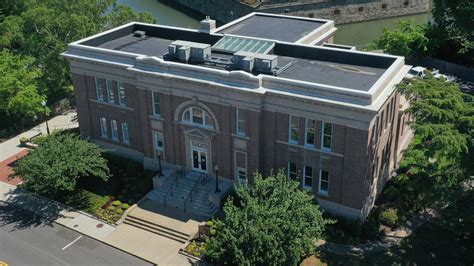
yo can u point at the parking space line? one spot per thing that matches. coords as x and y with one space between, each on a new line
74 241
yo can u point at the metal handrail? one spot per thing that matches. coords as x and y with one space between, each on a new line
190 195
181 172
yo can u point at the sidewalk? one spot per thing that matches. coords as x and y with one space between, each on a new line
12 146
55 212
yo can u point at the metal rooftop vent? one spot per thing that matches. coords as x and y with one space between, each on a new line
239 44
139 33
251 61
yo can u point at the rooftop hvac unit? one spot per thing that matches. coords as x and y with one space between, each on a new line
172 50
184 53
247 64
266 63
200 53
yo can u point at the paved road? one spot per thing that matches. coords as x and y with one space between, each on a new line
27 239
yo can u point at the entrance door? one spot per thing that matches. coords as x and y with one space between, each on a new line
199 160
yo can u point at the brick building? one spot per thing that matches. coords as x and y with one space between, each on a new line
262 93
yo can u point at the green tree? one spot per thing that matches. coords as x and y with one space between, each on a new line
42 29
273 223
439 161
407 39
19 95
58 162
453 21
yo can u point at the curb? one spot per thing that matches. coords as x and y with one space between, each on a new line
46 218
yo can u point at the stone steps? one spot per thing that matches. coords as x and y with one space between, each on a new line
200 203
157 229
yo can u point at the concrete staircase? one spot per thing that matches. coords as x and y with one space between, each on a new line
157 229
177 194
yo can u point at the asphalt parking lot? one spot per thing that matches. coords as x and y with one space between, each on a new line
27 239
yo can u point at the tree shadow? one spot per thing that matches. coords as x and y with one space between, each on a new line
24 209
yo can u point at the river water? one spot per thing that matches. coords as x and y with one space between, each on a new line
359 34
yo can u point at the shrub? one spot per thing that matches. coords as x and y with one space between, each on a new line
391 193
372 225
111 208
125 206
119 211
116 203
389 217
213 232
210 223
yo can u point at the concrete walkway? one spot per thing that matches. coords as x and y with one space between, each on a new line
150 246
12 146
55 212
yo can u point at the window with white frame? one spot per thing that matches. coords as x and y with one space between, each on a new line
121 92
326 136
241 165
293 129
323 182
114 129
125 133
197 116
103 127
159 142
292 171
110 91
307 177
100 88
156 103
240 120
309 132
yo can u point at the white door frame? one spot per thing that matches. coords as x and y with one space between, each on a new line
200 153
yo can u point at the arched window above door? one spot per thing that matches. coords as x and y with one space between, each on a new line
197 116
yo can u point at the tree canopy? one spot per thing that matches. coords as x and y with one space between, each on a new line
273 222
39 30
407 40
59 161
440 159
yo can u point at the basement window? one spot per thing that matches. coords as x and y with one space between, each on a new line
337 12
361 9
405 3
384 6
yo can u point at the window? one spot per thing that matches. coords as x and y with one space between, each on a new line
240 119
103 127
384 6
125 134
311 15
292 172
159 144
121 92
326 136
361 9
324 182
294 127
337 12
242 174
99 88
405 3
241 166
110 92
156 104
197 116
309 132
307 177
114 128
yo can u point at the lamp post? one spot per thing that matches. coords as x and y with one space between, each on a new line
160 173
43 103
216 168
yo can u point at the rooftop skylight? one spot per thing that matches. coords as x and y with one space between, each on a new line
239 44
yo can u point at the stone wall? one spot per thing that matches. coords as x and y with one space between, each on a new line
341 11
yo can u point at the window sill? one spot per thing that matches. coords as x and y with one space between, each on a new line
309 148
109 104
324 194
104 137
126 142
240 136
157 118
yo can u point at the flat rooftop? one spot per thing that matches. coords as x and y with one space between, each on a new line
286 29
314 64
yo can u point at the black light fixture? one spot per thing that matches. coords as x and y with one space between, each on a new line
43 103
216 168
